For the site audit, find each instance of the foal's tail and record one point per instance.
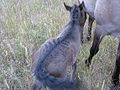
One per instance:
(51, 81)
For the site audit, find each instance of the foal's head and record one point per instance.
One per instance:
(76, 11)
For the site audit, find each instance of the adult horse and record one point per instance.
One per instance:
(51, 61)
(107, 18)
(89, 9)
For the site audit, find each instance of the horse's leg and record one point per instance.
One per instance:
(95, 46)
(90, 22)
(115, 76)
(82, 23)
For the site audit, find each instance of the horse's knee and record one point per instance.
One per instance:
(118, 61)
(115, 78)
(94, 50)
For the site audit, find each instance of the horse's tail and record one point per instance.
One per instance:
(51, 81)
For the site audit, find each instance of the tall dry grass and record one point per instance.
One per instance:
(25, 25)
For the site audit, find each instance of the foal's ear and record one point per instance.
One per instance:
(68, 8)
(82, 5)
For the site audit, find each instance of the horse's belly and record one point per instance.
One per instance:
(109, 29)
(116, 30)
(116, 34)
(107, 11)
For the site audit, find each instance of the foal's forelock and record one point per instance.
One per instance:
(75, 13)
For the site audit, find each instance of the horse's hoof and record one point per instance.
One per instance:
(88, 38)
(82, 41)
(115, 82)
(114, 87)
(87, 63)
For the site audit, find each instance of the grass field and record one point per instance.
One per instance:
(26, 24)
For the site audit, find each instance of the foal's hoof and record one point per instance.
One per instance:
(87, 63)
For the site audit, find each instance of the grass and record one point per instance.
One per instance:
(25, 25)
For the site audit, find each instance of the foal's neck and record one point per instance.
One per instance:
(75, 21)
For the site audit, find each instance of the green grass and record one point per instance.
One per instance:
(25, 25)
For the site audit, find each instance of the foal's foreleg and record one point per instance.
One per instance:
(74, 67)
(95, 47)
(90, 22)
(115, 76)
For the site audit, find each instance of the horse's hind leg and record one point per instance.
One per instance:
(90, 22)
(115, 76)
(95, 45)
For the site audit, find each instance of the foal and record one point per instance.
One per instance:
(52, 59)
